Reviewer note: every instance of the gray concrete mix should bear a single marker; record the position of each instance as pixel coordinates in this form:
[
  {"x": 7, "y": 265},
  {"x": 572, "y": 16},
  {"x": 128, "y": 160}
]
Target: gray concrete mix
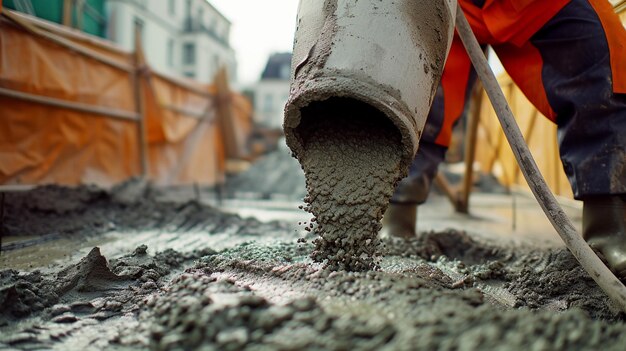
[
  {"x": 444, "y": 290},
  {"x": 351, "y": 161}
]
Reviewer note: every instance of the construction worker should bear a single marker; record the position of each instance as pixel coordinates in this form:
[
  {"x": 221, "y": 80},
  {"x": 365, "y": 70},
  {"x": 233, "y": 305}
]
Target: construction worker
[{"x": 569, "y": 59}]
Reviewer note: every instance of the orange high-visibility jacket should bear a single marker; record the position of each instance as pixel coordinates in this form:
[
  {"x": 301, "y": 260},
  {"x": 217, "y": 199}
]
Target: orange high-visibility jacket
[
  {"x": 512, "y": 21},
  {"x": 516, "y": 21}
]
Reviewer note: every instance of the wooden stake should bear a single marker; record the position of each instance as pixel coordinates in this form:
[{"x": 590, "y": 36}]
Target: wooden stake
[
  {"x": 76, "y": 106},
  {"x": 225, "y": 113},
  {"x": 80, "y": 13},
  {"x": 471, "y": 134},
  {"x": 67, "y": 13},
  {"x": 448, "y": 190},
  {"x": 139, "y": 101}
]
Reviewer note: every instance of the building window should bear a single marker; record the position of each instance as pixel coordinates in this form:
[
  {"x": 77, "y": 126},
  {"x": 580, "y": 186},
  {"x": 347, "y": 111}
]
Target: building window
[
  {"x": 200, "y": 19},
  {"x": 172, "y": 7},
  {"x": 268, "y": 103},
  {"x": 188, "y": 23},
  {"x": 190, "y": 74},
  {"x": 285, "y": 72},
  {"x": 189, "y": 53},
  {"x": 170, "y": 52},
  {"x": 216, "y": 62},
  {"x": 213, "y": 25},
  {"x": 188, "y": 8}
]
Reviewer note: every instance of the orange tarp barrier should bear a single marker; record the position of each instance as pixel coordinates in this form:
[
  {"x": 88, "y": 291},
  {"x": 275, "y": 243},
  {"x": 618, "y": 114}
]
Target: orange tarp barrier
[
  {"x": 39, "y": 144},
  {"x": 242, "y": 120},
  {"x": 44, "y": 144},
  {"x": 70, "y": 113},
  {"x": 185, "y": 145},
  {"x": 235, "y": 118}
]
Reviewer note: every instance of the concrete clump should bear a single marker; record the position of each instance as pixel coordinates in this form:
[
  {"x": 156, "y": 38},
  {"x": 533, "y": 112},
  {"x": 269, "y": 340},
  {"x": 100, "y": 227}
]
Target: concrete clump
[
  {"x": 21, "y": 295},
  {"x": 71, "y": 288},
  {"x": 351, "y": 161},
  {"x": 201, "y": 311},
  {"x": 556, "y": 279}
]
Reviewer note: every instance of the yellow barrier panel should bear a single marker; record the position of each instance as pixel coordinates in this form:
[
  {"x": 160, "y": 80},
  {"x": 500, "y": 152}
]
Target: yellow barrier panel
[{"x": 494, "y": 154}]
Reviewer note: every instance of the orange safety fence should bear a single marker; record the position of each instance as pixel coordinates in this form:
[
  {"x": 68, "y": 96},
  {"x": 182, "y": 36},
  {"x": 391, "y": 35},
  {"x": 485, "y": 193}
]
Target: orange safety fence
[{"x": 76, "y": 109}]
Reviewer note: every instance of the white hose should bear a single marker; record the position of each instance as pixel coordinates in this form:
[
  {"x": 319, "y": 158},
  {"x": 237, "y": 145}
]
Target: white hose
[{"x": 574, "y": 242}]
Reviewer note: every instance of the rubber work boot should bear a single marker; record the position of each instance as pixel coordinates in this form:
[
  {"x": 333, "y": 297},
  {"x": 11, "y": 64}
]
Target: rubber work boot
[
  {"x": 399, "y": 220},
  {"x": 604, "y": 228}
]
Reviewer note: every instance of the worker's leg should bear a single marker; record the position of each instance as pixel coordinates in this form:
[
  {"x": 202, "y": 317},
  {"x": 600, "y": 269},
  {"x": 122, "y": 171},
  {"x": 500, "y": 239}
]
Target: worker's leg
[
  {"x": 568, "y": 70},
  {"x": 448, "y": 106}
]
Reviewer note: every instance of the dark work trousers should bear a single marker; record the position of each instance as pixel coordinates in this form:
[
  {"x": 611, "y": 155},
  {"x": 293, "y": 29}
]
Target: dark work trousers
[{"x": 572, "y": 70}]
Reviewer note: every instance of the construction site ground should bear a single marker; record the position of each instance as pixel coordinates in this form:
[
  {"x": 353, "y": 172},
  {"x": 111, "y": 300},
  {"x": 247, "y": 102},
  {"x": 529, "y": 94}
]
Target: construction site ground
[{"x": 142, "y": 267}]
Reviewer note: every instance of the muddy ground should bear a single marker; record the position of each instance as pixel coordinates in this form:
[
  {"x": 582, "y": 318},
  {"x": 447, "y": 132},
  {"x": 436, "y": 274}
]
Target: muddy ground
[{"x": 224, "y": 282}]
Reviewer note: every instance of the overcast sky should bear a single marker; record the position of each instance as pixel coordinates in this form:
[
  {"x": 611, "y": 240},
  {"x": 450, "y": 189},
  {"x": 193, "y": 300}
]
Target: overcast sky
[{"x": 259, "y": 28}]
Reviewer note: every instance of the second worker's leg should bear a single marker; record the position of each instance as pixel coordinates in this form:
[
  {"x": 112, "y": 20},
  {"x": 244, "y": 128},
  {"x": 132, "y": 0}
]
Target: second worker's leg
[
  {"x": 447, "y": 108},
  {"x": 401, "y": 216}
]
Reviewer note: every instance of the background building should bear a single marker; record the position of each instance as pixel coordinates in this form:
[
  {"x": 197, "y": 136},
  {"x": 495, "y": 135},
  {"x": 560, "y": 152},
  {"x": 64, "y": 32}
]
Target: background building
[
  {"x": 180, "y": 37},
  {"x": 85, "y": 15},
  {"x": 272, "y": 91}
]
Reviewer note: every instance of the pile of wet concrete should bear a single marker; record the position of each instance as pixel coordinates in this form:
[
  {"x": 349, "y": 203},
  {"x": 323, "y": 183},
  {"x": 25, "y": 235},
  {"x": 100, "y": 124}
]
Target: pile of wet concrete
[
  {"x": 443, "y": 290},
  {"x": 53, "y": 211},
  {"x": 276, "y": 174}
]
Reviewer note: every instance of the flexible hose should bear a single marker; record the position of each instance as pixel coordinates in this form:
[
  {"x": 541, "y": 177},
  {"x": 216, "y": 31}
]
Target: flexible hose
[{"x": 574, "y": 242}]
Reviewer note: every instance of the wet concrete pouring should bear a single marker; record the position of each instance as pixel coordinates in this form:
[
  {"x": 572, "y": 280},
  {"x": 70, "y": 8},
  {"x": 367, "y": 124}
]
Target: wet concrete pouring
[{"x": 262, "y": 290}]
